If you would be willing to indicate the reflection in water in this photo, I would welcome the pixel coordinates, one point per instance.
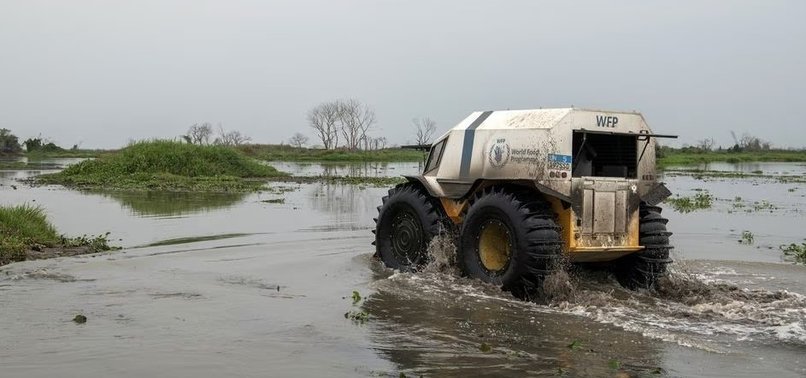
(347, 203)
(749, 167)
(355, 169)
(173, 203)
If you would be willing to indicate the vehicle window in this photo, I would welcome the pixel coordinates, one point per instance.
(435, 156)
(598, 155)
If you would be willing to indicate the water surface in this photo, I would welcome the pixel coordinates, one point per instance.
(243, 285)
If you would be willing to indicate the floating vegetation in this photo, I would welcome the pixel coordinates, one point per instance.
(747, 238)
(709, 174)
(701, 200)
(798, 251)
(274, 200)
(576, 344)
(763, 205)
(739, 204)
(358, 317)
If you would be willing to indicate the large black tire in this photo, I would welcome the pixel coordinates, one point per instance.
(407, 221)
(642, 270)
(510, 239)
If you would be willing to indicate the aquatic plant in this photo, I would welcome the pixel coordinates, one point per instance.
(747, 238)
(798, 251)
(358, 317)
(701, 200)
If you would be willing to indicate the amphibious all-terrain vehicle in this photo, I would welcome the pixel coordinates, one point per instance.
(521, 190)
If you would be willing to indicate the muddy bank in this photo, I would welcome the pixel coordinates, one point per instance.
(43, 252)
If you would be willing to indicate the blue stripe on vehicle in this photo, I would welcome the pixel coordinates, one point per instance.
(467, 145)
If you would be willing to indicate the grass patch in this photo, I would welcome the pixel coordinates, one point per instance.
(673, 157)
(271, 152)
(167, 166)
(25, 228)
(699, 201)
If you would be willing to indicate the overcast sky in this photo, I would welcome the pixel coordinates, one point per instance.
(101, 73)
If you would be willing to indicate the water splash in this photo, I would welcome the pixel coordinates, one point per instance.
(442, 252)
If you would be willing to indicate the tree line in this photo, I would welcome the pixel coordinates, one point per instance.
(346, 124)
(337, 124)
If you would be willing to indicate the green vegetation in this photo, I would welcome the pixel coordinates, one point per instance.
(701, 200)
(747, 238)
(290, 153)
(798, 251)
(748, 207)
(674, 157)
(25, 229)
(167, 166)
(21, 228)
(358, 317)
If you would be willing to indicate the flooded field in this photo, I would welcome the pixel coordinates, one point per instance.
(262, 285)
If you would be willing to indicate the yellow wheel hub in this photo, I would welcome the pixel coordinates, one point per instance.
(494, 249)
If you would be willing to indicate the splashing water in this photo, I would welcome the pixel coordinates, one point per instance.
(442, 254)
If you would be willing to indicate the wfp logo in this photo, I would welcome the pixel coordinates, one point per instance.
(499, 153)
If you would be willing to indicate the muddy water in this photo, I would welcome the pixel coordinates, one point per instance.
(242, 287)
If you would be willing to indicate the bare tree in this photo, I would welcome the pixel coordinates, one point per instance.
(230, 138)
(425, 128)
(356, 119)
(751, 143)
(378, 143)
(199, 133)
(298, 140)
(706, 145)
(324, 119)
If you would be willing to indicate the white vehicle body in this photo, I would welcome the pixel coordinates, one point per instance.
(594, 166)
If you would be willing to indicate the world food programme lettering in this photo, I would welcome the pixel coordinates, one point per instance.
(606, 121)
